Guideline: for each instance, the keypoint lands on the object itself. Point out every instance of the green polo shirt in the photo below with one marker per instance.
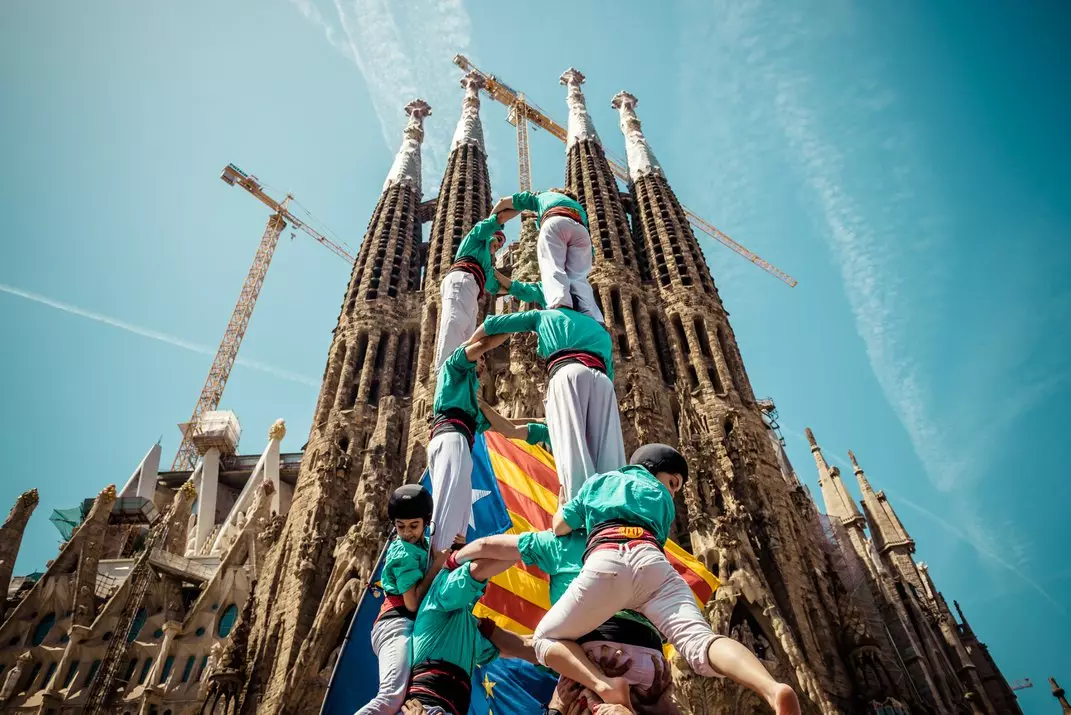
(445, 628)
(403, 566)
(528, 292)
(456, 387)
(537, 432)
(477, 246)
(631, 494)
(543, 202)
(557, 329)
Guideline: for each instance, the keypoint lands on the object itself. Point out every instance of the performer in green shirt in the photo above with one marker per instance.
(627, 514)
(471, 273)
(583, 421)
(449, 641)
(563, 249)
(408, 571)
(456, 420)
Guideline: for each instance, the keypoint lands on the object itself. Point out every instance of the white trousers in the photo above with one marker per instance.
(390, 642)
(634, 577)
(584, 425)
(460, 308)
(564, 254)
(641, 671)
(450, 465)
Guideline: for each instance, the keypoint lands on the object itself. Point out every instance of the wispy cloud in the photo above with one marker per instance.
(403, 51)
(154, 335)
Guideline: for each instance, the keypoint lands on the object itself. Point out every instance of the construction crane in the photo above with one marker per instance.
(523, 113)
(1021, 684)
(212, 391)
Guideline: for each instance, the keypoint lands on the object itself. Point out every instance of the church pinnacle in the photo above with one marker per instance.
(839, 502)
(469, 128)
(885, 525)
(641, 159)
(580, 124)
(406, 167)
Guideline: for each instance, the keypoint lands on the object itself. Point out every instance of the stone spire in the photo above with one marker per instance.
(641, 159)
(885, 525)
(11, 538)
(839, 502)
(1058, 693)
(406, 167)
(963, 620)
(580, 124)
(469, 129)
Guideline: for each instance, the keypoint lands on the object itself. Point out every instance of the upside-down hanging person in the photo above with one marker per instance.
(471, 273)
(627, 514)
(563, 249)
(581, 405)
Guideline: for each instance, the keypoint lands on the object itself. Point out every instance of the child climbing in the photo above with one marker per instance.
(464, 284)
(449, 641)
(627, 514)
(406, 577)
(457, 419)
(563, 249)
(583, 421)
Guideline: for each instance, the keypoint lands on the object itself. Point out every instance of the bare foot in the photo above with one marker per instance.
(784, 701)
(614, 691)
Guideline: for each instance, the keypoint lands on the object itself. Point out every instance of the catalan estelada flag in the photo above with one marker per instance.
(514, 489)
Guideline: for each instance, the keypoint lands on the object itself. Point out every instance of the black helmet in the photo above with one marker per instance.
(410, 501)
(657, 458)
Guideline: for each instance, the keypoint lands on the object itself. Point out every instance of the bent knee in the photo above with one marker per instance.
(695, 651)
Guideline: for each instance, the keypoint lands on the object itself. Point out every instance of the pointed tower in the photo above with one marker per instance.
(361, 424)
(464, 199)
(890, 537)
(1058, 693)
(643, 363)
(704, 345)
(11, 539)
(995, 685)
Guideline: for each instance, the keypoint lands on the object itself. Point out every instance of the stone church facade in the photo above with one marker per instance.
(241, 604)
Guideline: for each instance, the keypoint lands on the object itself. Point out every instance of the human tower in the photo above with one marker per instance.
(610, 582)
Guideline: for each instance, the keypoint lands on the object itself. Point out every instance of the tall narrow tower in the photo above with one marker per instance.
(11, 538)
(642, 361)
(464, 199)
(741, 481)
(1058, 693)
(360, 425)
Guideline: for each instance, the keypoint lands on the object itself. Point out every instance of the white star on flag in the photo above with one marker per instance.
(477, 495)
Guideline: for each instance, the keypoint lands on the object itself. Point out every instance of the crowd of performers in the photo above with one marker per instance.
(614, 594)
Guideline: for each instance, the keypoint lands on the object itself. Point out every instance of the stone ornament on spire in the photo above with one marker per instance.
(641, 160)
(277, 430)
(469, 128)
(580, 125)
(406, 167)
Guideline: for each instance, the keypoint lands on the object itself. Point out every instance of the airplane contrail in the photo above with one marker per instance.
(154, 334)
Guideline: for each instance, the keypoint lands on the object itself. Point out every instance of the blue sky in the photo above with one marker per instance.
(906, 163)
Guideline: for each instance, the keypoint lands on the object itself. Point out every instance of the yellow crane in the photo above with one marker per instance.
(523, 113)
(212, 391)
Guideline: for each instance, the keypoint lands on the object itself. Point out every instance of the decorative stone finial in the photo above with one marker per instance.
(28, 498)
(855, 464)
(277, 430)
(187, 490)
(641, 160)
(108, 492)
(406, 167)
(810, 438)
(580, 124)
(469, 129)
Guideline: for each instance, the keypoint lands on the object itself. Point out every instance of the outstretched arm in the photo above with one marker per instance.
(477, 346)
(506, 214)
(503, 205)
(501, 425)
(511, 645)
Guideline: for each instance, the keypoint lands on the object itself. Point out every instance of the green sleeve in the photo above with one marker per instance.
(400, 570)
(459, 590)
(575, 511)
(525, 201)
(523, 322)
(538, 432)
(459, 361)
(528, 292)
(539, 548)
(491, 285)
(478, 235)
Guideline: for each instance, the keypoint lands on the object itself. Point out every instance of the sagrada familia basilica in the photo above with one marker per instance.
(153, 606)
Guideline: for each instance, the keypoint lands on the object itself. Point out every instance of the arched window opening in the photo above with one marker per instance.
(622, 345)
(188, 668)
(665, 357)
(226, 621)
(615, 304)
(139, 622)
(693, 377)
(701, 332)
(169, 663)
(145, 670)
(40, 632)
(71, 672)
(93, 668)
(682, 337)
